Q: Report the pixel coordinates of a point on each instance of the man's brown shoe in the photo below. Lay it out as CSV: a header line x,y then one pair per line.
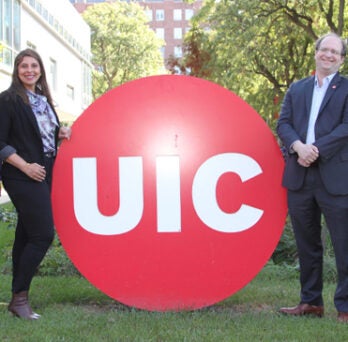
x,y
304,309
342,317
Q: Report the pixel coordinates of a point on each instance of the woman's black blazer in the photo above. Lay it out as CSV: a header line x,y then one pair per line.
x,y
19,132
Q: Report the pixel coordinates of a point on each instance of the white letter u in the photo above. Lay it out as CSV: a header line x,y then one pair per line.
x,y
86,198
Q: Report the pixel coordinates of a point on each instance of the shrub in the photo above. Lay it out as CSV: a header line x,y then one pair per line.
x,y
56,262
8,215
286,251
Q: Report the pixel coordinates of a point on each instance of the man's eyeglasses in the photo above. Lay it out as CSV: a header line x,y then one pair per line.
x,y
326,50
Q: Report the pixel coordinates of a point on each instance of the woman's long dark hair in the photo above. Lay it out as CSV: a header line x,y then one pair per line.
x,y
41,86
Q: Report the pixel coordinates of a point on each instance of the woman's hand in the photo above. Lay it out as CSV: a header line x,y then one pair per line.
x,y
35,171
64,133
32,170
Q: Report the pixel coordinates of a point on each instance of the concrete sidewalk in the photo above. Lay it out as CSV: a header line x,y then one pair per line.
x,y
4,196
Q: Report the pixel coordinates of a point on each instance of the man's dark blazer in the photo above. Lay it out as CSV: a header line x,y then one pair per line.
x,y
19,132
331,132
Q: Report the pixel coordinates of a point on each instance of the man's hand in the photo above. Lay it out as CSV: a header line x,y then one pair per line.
x,y
307,153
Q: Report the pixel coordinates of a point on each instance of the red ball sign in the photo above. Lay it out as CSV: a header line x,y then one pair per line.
x,y
169,196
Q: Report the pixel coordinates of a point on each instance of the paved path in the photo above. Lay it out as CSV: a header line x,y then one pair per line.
x,y
4,197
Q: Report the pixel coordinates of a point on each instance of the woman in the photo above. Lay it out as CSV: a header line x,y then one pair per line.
x,y
29,134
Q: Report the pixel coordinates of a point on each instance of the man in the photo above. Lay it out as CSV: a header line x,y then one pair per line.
x,y
313,127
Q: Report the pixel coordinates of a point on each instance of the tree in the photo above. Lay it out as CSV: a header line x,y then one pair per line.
x,y
257,48
196,58
123,45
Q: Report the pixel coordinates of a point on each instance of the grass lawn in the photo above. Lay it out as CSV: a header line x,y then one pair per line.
x,y
73,310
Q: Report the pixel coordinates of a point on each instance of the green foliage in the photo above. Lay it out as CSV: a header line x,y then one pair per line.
x,y
196,57
55,262
123,46
258,48
8,220
329,269
286,251
8,215
6,241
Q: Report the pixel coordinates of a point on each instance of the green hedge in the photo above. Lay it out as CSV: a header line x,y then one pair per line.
x,y
55,262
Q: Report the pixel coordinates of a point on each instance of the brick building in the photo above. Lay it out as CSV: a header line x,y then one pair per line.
x,y
170,19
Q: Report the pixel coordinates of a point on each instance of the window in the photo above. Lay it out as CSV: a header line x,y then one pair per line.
x,y
148,13
163,51
1,21
177,33
177,70
188,14
38,7
16,25
10,20
70,92
159,15
160,33
45,14
53,74
177,51
177,14
50,19
86,84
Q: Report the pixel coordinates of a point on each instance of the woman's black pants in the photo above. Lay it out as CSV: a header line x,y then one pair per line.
x,y
35,228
